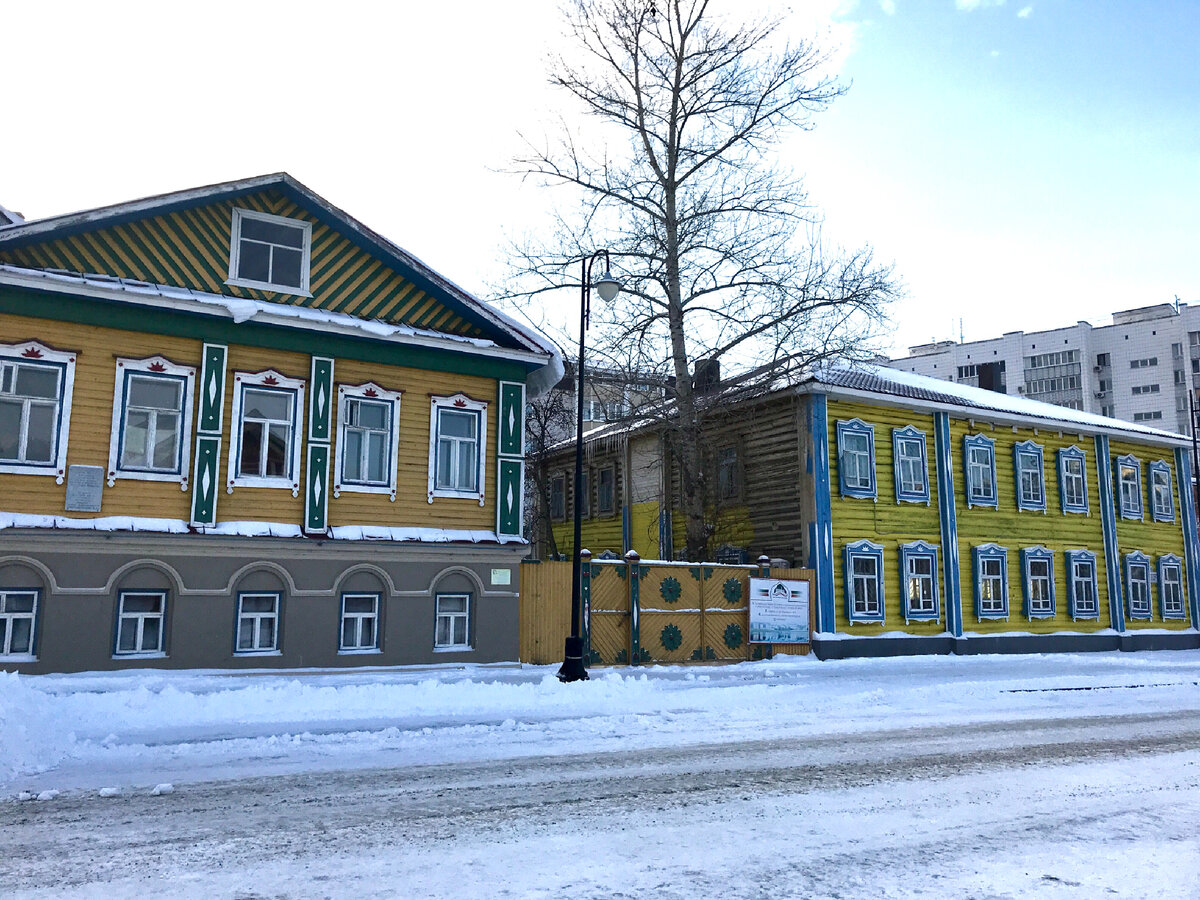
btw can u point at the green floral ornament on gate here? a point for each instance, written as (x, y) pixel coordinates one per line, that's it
(733, 636)
(670, 590)
(733, 590)
(671, 637)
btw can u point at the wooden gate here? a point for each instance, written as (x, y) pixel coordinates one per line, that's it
(638, 613)
(606, 592)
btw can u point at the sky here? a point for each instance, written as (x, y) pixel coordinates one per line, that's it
(1024, 165)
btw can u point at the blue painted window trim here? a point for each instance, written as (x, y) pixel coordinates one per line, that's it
(1138, 562)
(1129, 502)
(864, 550)
(919, 550)
(1064, 455)
(1024, 453)
(983, 553)
(1073, 606)
(856, 427)
(909, 434)
(1030, 555)
(1165, 511)
(984, 442)
(1171, 562)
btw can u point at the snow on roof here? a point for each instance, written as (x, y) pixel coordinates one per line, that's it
(883, 380)
(529, 337)
(239, 309)
(877, 379)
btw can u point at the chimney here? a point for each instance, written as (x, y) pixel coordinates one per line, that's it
(8, 217)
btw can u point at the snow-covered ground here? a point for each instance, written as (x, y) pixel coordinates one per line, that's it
(1048, 776)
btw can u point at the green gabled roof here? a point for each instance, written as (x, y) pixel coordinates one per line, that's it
(183, 239)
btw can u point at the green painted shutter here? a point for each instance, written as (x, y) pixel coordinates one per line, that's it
(320, 427)
(208, 435)
(512, 419)
(509, 502)
(510, 453)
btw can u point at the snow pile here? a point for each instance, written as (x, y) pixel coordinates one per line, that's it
(135, 729)
(31, 740)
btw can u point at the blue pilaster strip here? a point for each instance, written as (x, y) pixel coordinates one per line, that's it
(1108, 519)
(951, 580)
(1191, 541)
(821, 535)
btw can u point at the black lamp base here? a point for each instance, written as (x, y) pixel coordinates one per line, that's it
(572, 667)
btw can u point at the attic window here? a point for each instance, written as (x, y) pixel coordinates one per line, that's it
(269, 252)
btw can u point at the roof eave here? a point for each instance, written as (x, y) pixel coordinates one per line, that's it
(814, 385)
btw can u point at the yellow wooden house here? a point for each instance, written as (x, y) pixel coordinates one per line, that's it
(240, 428)
(938, 517)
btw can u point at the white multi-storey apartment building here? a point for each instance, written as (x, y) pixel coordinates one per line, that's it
(1140, 368)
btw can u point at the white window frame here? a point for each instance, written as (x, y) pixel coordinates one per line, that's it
(874, 611)
(258, 618)
(1129, 493)
(371, 393)
(9, 616)
(1161, 497)
(458, 403)
(274, 381)
(453, 616)
(1170, 573)
(1047, 606)
(985, 555)
(906, 488)
(1137, 574)
(235, 252)
(151, 367)
(35, 353)
(1067, 456)
(985, 470)
(1075, 559)
(865, 457)
(1028, 459)
(139, 620)
(919, 550)
(359, 618)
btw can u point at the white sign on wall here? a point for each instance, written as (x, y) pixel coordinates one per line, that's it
(779, 611)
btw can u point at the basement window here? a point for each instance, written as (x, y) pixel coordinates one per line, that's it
(269, 252)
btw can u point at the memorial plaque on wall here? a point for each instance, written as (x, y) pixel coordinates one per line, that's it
(85, 487)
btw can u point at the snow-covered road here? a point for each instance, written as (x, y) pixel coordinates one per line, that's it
(985, 778)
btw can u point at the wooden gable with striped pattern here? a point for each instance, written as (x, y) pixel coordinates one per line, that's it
(190, 248)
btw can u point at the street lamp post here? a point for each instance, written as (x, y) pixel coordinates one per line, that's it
(607, 287)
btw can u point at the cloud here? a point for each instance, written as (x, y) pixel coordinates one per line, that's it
(1024, 12)
(972, 5)
(994, 53)
(888, 6)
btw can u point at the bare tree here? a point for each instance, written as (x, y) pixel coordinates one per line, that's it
(720, 257)
(549, 420)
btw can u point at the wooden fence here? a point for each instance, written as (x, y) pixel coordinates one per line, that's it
(638, 613)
